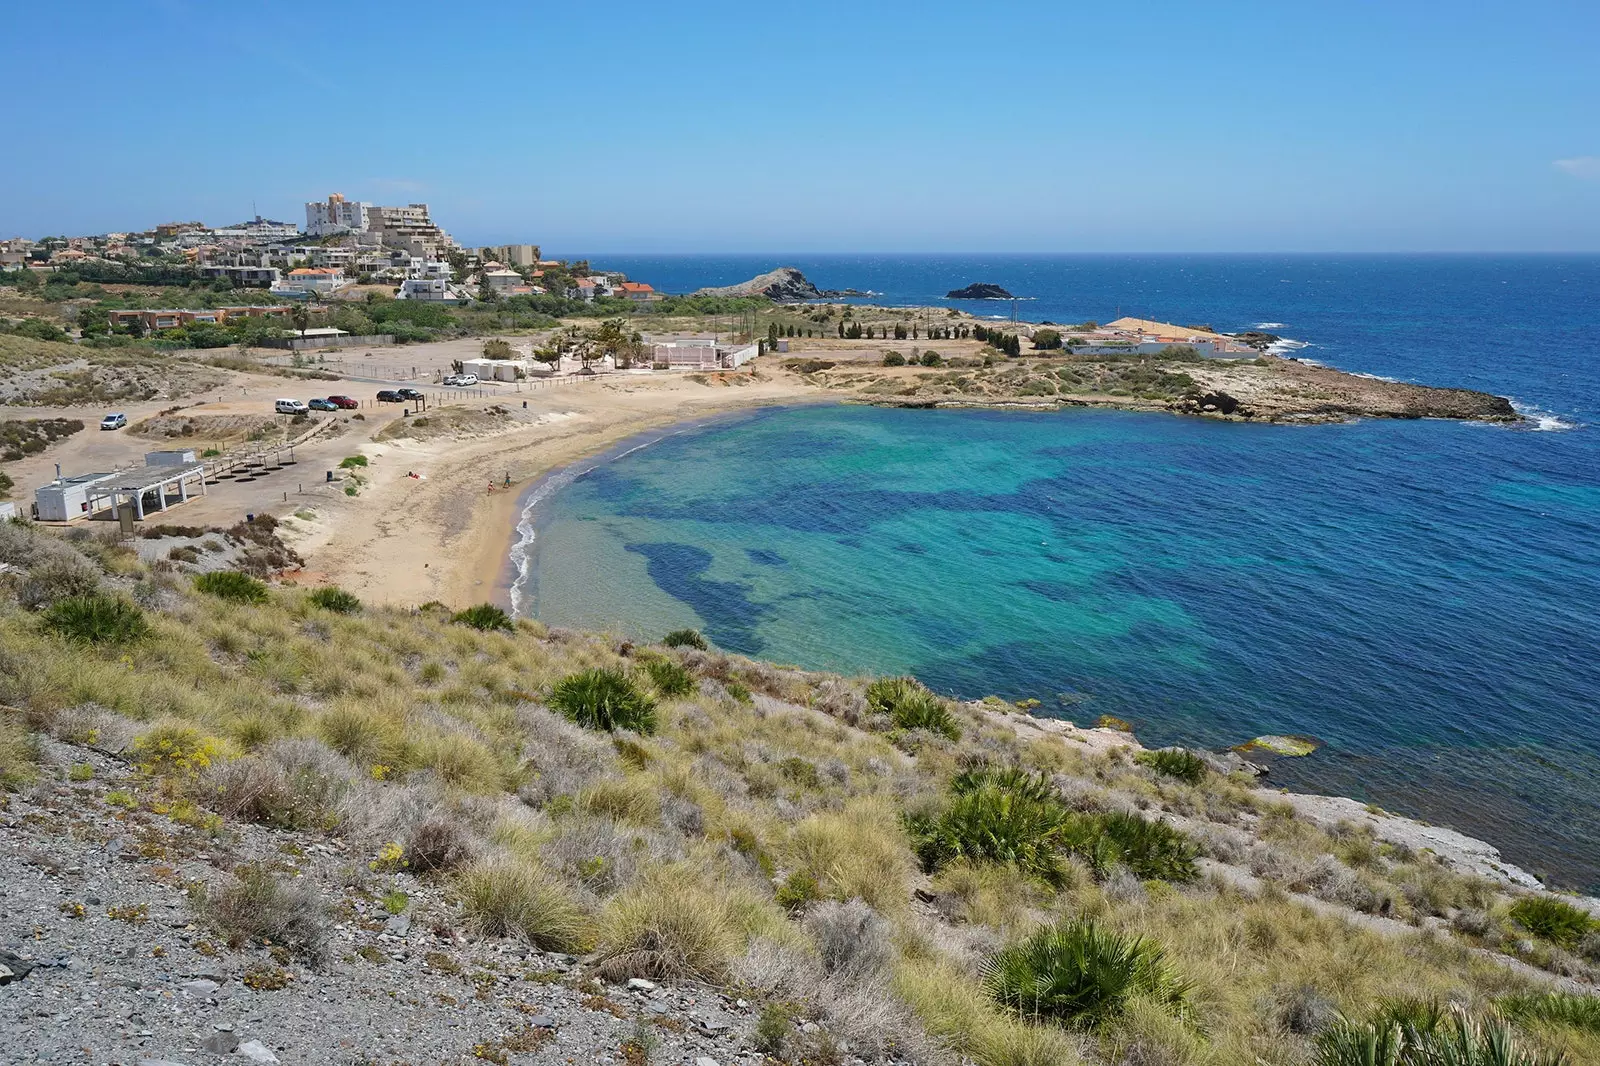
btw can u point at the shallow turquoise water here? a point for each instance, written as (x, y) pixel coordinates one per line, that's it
(1422, 596)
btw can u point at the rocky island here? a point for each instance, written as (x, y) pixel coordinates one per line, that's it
(979, 291)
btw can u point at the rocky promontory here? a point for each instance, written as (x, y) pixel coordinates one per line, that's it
(979, 291)
(784, 285)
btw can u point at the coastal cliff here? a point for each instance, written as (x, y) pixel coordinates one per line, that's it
(783, 285)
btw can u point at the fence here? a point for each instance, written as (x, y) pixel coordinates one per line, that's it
(300, 344)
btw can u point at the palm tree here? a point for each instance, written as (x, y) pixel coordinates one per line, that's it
(301, 317)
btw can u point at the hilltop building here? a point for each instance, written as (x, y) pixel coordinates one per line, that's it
(520, 255)
(338, 215)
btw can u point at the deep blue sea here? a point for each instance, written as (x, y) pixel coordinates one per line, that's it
(1423, 597)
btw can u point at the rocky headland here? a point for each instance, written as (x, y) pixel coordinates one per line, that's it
(783, 285)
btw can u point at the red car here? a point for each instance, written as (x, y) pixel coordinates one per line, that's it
(343, 402)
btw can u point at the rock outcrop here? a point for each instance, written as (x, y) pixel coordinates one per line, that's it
(785, 285)
(979, 291)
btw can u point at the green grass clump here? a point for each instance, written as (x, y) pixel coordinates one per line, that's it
(1554, 1008)
(96, 619)
(483, 617)
(911, 706)
(232, 585)
(685, 638)
(1553, 920)
(604, 700)
(351, 462)
(505, 897)
(1186, 766)
(18, 752)
(669, 678)
(1080, 975)
(336, 600)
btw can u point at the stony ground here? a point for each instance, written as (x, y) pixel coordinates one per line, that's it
(123, 971)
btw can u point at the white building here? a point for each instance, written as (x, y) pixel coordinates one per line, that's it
(432, 290)
(502, 281)
(242, 275)
(308, 281)
(338, 215)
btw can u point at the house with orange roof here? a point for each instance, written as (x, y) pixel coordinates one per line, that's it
(637, 291)
(312, 281)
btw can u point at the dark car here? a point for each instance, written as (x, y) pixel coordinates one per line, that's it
(319, 404)
(409, 394)
(343, 402)
(390, 396)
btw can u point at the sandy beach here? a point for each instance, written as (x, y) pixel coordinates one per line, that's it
(446, 533)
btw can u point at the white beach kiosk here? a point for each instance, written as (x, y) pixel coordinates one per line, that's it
(168, 479)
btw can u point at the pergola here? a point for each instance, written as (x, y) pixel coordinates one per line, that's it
(169, 484)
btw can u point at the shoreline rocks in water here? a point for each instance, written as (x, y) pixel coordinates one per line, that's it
(979, 291)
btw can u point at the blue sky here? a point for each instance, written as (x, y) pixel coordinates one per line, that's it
(1227, 125)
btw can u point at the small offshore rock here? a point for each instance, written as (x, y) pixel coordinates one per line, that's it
(256, 1051)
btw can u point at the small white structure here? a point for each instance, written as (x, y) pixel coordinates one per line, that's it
(171, 458)
(66, 499)
(496, 369)
(691, 354)
(8, 510)
(431, 290)
(307, 281)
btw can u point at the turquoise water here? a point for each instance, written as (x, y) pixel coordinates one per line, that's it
(1421, 596)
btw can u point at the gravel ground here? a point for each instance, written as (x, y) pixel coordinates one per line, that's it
(96, 899)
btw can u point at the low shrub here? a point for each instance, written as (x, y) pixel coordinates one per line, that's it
(1026, 783)
(669, 678)
(1553, 920)
(336, 600)
(1081, 975)
(606, 700)
(505, 897)
(911, 706)
(485, 617)
(55, 580)
(853, 940)
(96, 619)
(1185, 765)
(260, 908)
(232, 585)
(857, 852)
(685, 638)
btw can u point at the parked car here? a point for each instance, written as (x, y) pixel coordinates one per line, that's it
(116, 421)
(464, 379)
(409, 394)
(344, 403)
(390, 396)
(290, 407)
(451, 379)
(320, 404)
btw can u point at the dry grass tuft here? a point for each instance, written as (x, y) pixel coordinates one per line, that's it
(260, 908)
(503, 896)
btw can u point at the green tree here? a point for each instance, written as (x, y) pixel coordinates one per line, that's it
(301, 317)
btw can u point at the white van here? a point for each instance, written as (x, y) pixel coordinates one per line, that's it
(290, 407)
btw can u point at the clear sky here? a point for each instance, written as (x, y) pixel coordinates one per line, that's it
(1208, 125)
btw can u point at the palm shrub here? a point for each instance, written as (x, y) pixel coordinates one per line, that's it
(96, 619)
(1151, 850)
(685, 638)
(605, 700)
(993, 825)
(232, 585)
(1080, 975)
(1185, 765)
(1012, 779)
(484, 617)
(911, 706)
(1426, 1037)
(1554, 920)
(668, 677)
(336, 600)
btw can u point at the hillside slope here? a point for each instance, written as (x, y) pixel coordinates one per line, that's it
(324, 832)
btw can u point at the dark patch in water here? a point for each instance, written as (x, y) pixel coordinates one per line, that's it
(731, 616)
(764, 557)
(910, 549)
(1055, 591)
